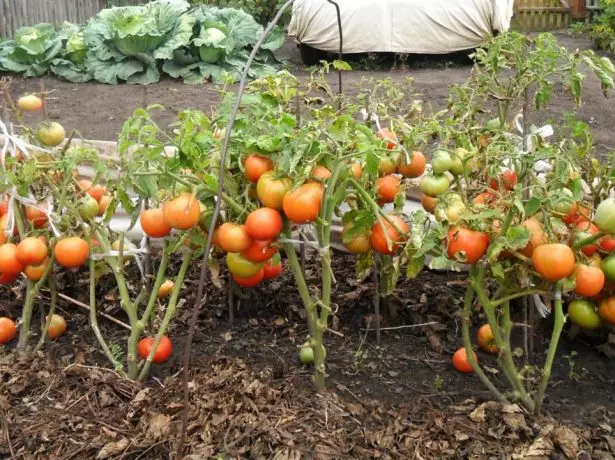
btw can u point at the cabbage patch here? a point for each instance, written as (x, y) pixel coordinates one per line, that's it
(222, 44)
(71, 64)
(31, 50)
(124, 43)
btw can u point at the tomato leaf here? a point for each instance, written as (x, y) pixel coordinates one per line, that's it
(532, 205)
(415, 266)
(444, 263)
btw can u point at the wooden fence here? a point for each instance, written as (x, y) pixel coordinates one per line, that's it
(541, 15)
(18, 13)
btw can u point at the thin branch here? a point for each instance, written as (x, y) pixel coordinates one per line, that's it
(86, 307)
(397, 328)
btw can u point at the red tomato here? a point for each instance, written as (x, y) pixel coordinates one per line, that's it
(507, 181)
(415, 168)
(162, 353)
(264, 224)
(465, 245)
(273, 267)
(607, 244)
(36, 216)
(461, 363)
(259, 251)
(486, 339)
(384, 133)
(378, 239)
(582, 231)
(8, 278)
(4, 205)
(387, 188)
(589, 280)
(255, 166)
(250, 281)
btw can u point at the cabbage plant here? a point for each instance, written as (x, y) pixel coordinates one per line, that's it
(31, 50)
(71, 64)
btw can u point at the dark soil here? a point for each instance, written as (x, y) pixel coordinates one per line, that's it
(250, 398)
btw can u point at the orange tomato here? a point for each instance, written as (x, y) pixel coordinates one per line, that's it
(234, 237)
(606, 310)
(271, 190)
(484, 198)
(182, 212)
(4, 205)
(154, 224)
(415, 168)
(303, 204)
(165, 289)
(8, 330)
(589, 280)
(486, 340)
(57, 327)
(71, 252)
(387, 188)
(9, 262)
(255, 166)
(320, 173)
(461, 363)
(36, 272)
(378, 238)
(32, 251)
(554, 262)
(103, 204)
(36, 216)
(359, 244)
(429, 203)
(356, 170)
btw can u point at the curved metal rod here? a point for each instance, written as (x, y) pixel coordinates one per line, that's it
(212, 226)
(339, 27)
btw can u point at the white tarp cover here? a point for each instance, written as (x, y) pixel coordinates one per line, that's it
(399, 26)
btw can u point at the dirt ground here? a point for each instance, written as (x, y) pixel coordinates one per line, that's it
(97, 111)
(250, 397)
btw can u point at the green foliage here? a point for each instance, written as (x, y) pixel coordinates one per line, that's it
(262, 10)
(134, 43)
(602, 31)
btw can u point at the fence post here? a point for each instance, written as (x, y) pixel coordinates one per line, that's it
(577, 9)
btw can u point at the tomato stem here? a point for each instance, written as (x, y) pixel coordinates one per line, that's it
(53, 293)
(465, 330)
(587, 241)
(558, 325)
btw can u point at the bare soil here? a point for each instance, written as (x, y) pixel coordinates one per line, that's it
(250, 397)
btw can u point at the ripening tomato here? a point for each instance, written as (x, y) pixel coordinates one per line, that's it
(154, 224)
(429, 203)
(3, 227)
(51, 133)
(589, 280)
(250, 281)
(57, 326)
(485, 198)
(553, 261)
(96, 191)
(321, 173)
(8, 330)
(182, 212)
(88, 208)
(4, 205)
(608, 267)
(36, 272)
(36, 216)
(163, 350)
(30, 103)
(264, 224)
(378, 238)
(388, 165)
(605, 216)
(434, 185)
(441, 162)
(584, 230)
(415, 168)
(234, 237)
(358, 244)
(385, 134)
(450, 208)
(165, 289)
(583, 313)
(465, 245)
(240, 266)
(272, 190)
(538, 236)
(255, 166)
(461, 363)
(387, 188)
(303, 204)
(103, 204)
(259, 251)
(273, 267)
(457, 166)
(9, 261)
(32, 251)
(486, 340)
(356, 170)
(8, 278)
(71, 252)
